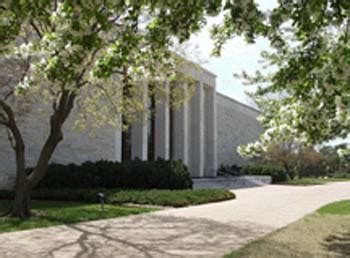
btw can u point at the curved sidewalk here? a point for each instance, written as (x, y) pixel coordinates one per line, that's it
(209, 230)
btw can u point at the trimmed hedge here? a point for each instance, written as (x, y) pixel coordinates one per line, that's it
(174, 198)
(137, 174)
(340, 175)
(277, 174)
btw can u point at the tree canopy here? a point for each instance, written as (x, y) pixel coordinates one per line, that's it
(306, 97)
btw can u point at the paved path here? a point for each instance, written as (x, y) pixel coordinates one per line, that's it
(203, 231)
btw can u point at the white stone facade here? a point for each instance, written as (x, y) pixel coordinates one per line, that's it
(236, 125)
(205, 133)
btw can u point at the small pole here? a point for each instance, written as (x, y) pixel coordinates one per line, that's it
(102, 200)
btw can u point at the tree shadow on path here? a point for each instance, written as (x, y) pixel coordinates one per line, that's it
(136, 236)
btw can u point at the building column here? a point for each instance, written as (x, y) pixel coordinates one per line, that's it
(118, 141)
(118, 136)
(181, 130)
(197, 132)
(210, 133)
(139, 132)
(162, 123)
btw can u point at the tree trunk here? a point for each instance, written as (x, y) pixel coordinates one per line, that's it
(25, 183)
(288, 171)
(21, 206)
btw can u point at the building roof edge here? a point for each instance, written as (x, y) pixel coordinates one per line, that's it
(238, 102)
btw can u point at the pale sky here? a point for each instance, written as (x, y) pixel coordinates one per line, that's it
(235, 57)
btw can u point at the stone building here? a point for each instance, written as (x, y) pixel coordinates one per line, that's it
(203, 132)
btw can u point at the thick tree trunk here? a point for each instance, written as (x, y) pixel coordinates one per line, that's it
(25, 183)
(21, 206)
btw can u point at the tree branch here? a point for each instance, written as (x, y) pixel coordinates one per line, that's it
(18, 139)
(57, 120)
(3, 120)
(10, 138)
(37, 30)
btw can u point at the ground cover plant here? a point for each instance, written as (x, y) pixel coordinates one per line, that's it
(174, 198)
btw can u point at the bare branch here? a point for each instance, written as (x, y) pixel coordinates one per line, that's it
(9, 94)
(7, 109)
(18, 139)
(10, 138)
(36, 28)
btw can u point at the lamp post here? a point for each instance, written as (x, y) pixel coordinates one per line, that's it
(101, 197)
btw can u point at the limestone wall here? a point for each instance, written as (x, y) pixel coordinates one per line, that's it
(76, 147)
(236, 125)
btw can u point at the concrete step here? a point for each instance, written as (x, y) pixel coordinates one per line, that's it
(231, 182)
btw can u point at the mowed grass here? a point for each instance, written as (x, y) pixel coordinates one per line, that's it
(336, 208)
(326, 233)
(173, 198)
(67, 206)
(52, 213)
(313, 181)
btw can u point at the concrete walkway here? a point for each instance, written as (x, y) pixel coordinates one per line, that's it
(202, 231)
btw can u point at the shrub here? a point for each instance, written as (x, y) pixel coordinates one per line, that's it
(340, 175)
(277, 174)
(159, 174)
(232, 170)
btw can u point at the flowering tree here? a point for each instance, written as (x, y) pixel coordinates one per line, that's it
(91, 53)
(307, 97)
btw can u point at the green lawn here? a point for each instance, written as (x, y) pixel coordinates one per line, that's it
(313, 181)
(326, 233)
(56, 207)
(52, 213)
(337, 208)
(174, 198)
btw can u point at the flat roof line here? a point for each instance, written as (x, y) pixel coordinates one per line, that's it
(237, 102)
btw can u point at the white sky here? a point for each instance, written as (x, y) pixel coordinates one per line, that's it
(236, 56)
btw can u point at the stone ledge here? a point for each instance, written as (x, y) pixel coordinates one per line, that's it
(231, 182)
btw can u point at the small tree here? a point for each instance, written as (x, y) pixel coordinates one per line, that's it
(297, 160)
(284, 155)
(335, 160)
(311, 163)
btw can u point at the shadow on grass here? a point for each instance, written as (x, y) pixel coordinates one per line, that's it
(47, 214)
(338, 243)
(267, 247)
